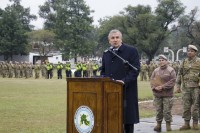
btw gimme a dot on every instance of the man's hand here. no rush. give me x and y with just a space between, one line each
158 88
120 81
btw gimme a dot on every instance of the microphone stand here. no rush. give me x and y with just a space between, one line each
124 61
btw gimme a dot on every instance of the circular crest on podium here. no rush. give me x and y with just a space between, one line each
84 119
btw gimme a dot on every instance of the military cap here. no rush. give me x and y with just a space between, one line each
162 56
192 47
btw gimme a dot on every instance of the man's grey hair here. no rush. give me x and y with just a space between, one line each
115 31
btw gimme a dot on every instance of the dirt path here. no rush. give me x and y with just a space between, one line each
176 109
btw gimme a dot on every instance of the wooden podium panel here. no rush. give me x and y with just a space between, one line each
113 107
103 96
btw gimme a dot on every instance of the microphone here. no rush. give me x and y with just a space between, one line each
109 49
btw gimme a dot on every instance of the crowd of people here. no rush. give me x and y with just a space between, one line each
186 80
163 77
46 69
147 69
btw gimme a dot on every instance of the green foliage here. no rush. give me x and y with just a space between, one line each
71 22
142 27
191 27
44 39
150 29
14 23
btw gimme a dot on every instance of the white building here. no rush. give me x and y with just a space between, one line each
35 57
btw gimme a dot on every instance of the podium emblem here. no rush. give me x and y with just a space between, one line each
84 119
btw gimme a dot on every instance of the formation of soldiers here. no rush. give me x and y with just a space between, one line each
147 69
16 69
188 73
86 69
46 69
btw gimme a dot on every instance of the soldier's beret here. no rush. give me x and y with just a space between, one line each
193 47
162 56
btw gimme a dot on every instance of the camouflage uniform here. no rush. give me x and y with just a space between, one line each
175 66
44 70
4 69
22 71
18 70
187 79
90 70
143 72
37 70
26 70
163 100
10 70
151 68
15 70
30 69
1 68
162 84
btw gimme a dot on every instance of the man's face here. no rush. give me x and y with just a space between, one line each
191 53
115 40
162 62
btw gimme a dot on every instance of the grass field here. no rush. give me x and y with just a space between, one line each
32 106
39 106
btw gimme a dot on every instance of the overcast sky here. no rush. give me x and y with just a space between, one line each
102 8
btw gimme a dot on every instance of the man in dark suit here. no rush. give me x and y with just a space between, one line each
115 68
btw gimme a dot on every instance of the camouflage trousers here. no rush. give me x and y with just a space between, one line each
163 107
143 76
37 74
199 106
190 97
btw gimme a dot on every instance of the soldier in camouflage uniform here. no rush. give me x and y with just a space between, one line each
4 69
1 68
10 69
30 69
151 68
44 70
90 70
187 80
17 69
37 70
162 84
26 70
175 66
143 71
21 66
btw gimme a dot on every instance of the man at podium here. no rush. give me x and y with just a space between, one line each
121 63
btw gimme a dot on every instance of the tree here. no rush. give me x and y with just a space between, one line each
71 22
43 41
143 28
192 26
14 23
148 30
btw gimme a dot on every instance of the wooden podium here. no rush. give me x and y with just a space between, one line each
94 105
